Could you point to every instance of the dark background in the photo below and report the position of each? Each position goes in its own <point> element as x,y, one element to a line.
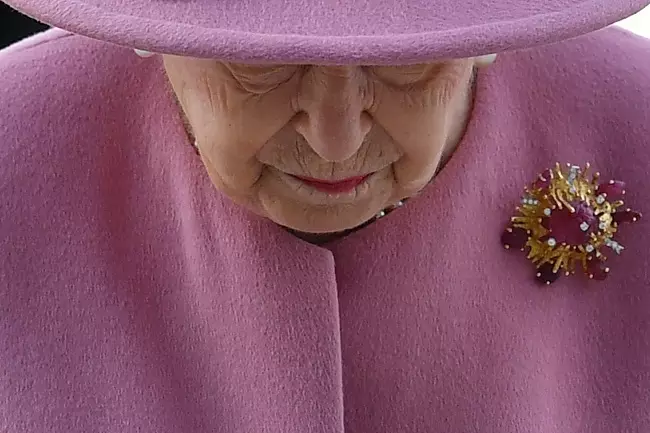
<point>14,26</point>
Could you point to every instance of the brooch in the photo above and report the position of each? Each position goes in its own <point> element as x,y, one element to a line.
<point>566,220</point>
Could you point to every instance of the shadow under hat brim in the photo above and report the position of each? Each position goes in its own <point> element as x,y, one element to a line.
<point>380,32</point>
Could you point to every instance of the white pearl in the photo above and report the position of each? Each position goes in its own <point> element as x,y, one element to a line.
<point>485,60</point>
<point>143,53</point>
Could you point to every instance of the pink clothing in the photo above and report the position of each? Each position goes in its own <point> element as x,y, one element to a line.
<point>136,298</point>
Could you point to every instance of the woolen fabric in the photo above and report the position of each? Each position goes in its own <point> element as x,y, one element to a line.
<point>330,31</point>
<point>134,297</point>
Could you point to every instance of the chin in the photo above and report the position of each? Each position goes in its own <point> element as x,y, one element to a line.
<point>321,219</point>
<point>324,222</point>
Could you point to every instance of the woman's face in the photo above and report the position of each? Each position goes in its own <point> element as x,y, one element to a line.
<point>321,149</point>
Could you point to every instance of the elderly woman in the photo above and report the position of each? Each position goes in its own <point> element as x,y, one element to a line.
<point>290,217</point>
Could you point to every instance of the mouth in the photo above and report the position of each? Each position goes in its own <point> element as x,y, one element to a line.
<point>334,187</point>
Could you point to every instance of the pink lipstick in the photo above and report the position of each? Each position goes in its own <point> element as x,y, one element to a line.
<point>334,187</point>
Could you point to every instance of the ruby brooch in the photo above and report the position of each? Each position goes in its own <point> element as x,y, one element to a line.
<point>567,221</point>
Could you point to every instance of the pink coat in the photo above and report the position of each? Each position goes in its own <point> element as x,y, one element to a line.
<point>136,298</point>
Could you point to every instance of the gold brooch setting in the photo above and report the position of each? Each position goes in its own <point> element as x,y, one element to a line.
<point>567,220</point>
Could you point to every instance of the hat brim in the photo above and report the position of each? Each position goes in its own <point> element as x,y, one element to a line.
<point>381,32</point>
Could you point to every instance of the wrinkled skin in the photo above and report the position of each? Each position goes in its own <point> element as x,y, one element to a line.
<point>255,125</point>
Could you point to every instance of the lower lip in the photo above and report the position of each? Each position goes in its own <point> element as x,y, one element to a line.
<point>334,187</point>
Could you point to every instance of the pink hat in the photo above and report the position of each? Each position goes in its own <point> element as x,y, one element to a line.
<point>329,31</point>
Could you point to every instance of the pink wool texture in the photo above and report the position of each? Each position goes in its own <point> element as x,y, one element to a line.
<point>134,297</point>
<point>330,31</point>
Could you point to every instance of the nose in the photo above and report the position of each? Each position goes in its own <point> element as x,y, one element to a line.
<point>332,111</point>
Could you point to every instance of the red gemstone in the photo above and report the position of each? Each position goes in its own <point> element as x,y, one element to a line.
<point>543,180</point>
<point>515,238</point>
<point>614,189</point>
<point>626,216</point>
<point>546,275</point>
<point>572,228</point>
<point>597,269</point>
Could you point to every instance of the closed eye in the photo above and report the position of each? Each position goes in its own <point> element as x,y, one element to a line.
<point>403,76</point>
<point>262,78</point>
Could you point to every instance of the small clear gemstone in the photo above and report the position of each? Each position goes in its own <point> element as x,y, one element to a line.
<point>551,242</point>
<point>614,245</point>
<point>584,226</point>
<point>547,212</point>
<point>600,199</point>
<point>575,170</point>
<point>602,225</point>
<point>589,248</point>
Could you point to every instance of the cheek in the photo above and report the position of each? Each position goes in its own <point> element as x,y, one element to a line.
<point>416,128</point>
<point>226,118</point>
<point>420,119</point>
<point>419,123</point>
